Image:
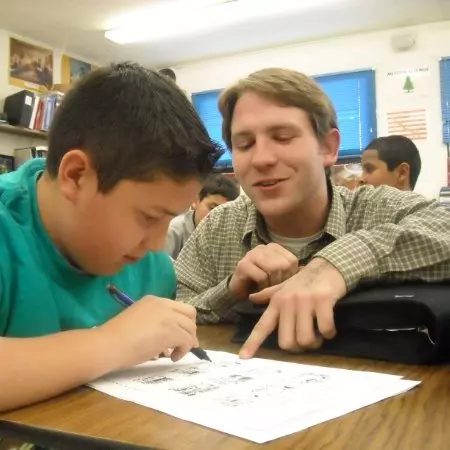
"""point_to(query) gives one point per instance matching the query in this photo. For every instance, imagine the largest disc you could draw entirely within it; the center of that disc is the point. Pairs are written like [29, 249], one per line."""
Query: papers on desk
[257, 399]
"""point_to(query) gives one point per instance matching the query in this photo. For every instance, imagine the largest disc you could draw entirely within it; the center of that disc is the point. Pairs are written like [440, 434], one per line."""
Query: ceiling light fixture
[187, 17]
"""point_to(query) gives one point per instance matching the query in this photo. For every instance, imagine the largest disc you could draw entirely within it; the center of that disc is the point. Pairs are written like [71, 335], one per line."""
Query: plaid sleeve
[198, 282]
[395, 235]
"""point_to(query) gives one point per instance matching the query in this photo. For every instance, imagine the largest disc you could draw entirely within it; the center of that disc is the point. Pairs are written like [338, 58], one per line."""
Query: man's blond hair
[287, 88]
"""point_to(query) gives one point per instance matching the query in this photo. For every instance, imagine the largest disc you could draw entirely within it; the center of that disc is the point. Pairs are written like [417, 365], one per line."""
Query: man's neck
[305, 221]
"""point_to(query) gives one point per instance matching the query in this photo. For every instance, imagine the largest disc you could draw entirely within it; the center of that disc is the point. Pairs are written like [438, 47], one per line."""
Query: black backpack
[403, 323]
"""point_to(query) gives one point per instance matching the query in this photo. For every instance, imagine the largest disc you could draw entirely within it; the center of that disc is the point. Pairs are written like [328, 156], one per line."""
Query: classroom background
[392, 81]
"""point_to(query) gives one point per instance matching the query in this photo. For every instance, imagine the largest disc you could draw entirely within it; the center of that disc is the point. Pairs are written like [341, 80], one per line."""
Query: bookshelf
[20, 131]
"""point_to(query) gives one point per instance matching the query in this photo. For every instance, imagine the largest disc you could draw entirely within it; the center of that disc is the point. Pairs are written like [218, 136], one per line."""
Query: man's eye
[243, 145]
[283, 138]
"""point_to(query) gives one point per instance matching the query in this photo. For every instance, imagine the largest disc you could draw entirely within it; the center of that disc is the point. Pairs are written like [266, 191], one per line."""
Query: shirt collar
[335, 226]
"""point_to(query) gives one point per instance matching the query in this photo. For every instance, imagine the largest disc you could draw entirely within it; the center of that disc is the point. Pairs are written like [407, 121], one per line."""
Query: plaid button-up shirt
[370, 234]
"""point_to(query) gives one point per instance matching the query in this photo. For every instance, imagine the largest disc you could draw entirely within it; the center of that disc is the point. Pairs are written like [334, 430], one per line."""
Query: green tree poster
[409, 85]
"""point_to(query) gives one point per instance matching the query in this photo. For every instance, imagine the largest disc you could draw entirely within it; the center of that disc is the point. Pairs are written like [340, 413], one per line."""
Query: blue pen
[126, 301]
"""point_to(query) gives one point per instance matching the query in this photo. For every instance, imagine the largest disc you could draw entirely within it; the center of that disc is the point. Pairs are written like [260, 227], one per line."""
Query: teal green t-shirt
[40, 291]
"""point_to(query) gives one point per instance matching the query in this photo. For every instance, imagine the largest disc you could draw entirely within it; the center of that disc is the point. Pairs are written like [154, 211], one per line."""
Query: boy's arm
[33, 369]
[37, 368]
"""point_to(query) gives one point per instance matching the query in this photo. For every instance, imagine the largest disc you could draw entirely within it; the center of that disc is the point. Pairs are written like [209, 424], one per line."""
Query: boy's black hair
[134, 124]
[396, 149]
[218, 184]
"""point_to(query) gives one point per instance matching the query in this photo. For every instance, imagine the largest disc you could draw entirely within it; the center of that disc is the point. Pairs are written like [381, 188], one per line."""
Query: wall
[9, 142]
[371, 50]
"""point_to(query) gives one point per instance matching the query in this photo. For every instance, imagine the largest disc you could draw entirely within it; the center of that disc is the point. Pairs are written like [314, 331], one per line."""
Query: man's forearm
[35, 369]
[211, 305]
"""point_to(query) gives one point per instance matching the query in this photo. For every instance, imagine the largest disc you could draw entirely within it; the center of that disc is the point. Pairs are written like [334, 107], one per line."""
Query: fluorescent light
[186, 17]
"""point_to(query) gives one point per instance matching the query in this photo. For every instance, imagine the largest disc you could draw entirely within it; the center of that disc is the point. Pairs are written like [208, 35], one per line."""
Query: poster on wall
[408, 85]
[410, 123]
[30, 66]
[74, 69]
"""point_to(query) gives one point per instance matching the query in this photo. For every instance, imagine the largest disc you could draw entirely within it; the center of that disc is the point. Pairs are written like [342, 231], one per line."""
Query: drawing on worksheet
[230, 382]
[190, 371]
[272, 390]
[194, 388]
[255, 399]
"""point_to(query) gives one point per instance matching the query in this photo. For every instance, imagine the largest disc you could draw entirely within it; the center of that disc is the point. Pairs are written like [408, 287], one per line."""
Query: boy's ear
[195, 204]
[403, 172]
[330, 147]
[74, 172]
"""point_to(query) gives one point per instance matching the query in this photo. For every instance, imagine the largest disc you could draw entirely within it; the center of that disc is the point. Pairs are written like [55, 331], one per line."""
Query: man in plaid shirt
[283, 132]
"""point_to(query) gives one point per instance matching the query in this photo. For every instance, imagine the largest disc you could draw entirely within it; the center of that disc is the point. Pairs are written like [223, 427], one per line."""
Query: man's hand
[294, 305]
[264, 266]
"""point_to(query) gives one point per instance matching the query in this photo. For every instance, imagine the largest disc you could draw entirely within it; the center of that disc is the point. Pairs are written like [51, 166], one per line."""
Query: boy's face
[104, 232]
[277, 157]
[204, 207]
[376, 172]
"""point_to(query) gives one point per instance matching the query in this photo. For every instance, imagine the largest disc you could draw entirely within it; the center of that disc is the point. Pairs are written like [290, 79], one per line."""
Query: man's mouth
[268, 182]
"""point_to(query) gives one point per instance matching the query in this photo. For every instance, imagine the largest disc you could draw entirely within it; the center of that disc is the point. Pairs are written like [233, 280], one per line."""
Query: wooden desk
[416, 420]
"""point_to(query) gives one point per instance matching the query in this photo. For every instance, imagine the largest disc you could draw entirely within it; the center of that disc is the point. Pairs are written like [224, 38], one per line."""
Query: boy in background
[126, 153]
[216, 191]
[391, 160]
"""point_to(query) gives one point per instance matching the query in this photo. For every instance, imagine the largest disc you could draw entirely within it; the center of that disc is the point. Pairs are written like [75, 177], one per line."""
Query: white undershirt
[294, 245]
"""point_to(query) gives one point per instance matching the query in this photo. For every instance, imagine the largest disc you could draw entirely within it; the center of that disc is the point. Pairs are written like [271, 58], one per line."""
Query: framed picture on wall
[30, 66]
[73, 69]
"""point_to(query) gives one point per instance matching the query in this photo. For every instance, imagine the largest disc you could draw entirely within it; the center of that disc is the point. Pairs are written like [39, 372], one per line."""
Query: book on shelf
[31, 110]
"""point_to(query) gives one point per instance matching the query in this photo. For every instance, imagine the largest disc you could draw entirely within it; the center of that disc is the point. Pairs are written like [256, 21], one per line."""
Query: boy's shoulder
[154, 273]
[17, 188]
[183, 222]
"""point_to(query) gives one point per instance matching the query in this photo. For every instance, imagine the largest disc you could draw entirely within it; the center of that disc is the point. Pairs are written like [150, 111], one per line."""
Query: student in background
[283, 135]
[217, 190]
[120, 165]
[391, 160]
[347, 175]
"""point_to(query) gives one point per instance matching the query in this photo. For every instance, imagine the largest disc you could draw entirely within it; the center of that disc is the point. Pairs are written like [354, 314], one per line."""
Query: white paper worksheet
[257, 399]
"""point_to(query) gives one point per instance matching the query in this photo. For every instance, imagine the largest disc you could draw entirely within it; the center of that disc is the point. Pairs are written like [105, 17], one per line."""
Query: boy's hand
[293, 306]
[150, 327]
[264, 266]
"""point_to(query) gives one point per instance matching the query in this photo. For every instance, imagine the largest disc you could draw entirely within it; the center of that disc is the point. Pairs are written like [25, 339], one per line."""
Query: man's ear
[74, 173]
[330, 147]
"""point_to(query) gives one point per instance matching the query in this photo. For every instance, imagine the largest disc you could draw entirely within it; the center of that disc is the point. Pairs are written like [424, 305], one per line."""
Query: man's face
[277, 157]
[205, 206]
[376, 172]
[104, 232]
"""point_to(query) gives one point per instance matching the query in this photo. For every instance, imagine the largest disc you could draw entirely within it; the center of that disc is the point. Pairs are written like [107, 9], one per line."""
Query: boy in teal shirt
[127, 153]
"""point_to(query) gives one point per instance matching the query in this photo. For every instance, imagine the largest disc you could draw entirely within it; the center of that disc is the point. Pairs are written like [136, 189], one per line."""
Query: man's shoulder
[380, 195]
